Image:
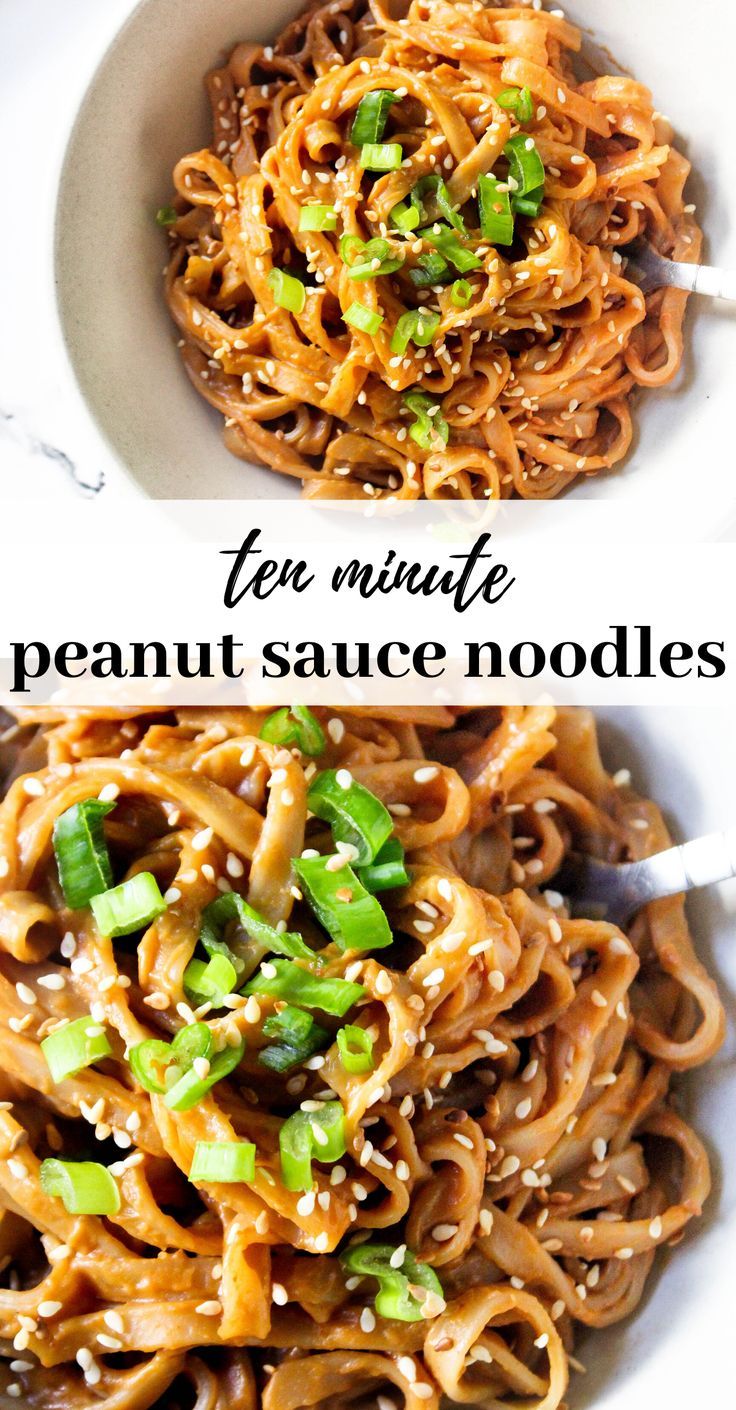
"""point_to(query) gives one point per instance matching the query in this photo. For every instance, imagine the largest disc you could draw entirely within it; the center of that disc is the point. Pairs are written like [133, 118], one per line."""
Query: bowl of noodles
[313, 1090]
[396, 246]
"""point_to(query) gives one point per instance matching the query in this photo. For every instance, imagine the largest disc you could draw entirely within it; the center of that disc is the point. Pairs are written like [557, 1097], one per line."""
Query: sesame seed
[279, 1294]
[48, 1309]
[213, 1308]
[367, 1320]
[442, 1233]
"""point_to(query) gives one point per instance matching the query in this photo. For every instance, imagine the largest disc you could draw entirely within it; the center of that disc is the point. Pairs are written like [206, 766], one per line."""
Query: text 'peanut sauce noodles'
[443, 312]
[504, 1157]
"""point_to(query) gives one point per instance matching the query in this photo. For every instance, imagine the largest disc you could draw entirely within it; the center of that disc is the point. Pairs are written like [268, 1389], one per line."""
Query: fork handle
[706, 279]
[694, 864]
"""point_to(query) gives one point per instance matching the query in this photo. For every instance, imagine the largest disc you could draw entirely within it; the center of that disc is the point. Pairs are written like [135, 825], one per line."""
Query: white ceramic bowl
[146, 107]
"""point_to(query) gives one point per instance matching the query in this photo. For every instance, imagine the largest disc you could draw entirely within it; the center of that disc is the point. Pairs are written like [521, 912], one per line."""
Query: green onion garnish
[299, 1038]
[356, 816]
[394, 1299]
[445, 241]
[81, 852]
[288, 292]
[190, 1088]
[318, 218]
[529, 205]
[298, 986]
[387, 871]
[265, 938]
[430, 427]
[83, 1186]
[78, 1045]
[128, 907]
[496, 215]
[526, 168]
[518, 101]
[223, 1162]
[364, 318]
[350, 915]
[167, 215]
[381, 156]
[433, 183]
[356, 1049]
[210, 981]
[370, 119]
[414, 327]
[307, 1136]
[157, 1065]
[461, 293]
[295, 725]
[404, 217]
[368, 259]
[429, 270]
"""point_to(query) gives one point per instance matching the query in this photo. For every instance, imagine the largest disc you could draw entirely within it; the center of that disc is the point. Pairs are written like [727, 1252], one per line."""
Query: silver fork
[614, 892]
[651, 270]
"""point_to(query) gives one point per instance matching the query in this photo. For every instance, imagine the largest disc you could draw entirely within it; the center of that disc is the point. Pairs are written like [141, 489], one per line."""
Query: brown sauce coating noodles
[518, 1131]
[535, 376]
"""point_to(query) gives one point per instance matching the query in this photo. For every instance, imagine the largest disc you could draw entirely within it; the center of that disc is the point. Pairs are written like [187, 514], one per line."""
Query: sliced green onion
[318, 218]
[430, 427]
[461, 293]
[381, 156]
[299, 1038]
[223, 1162]
[364, 318]
[81, 852]
[368, 259]
[356, 816]
[435, 184]
[268, 940]
[518, 101]
[526, 168]
[370, 119]
[395, 1298]
[190, 1088]
[307, 1136]
[154, 1061]
[529, 205]
[387, 870]
[128, 907]
[167, 215]
[210, 981]
[414, 327]
[298, 986]
[496, 215]
[295, 725]
[83, 1186]
[356, 1049]
[445, 241]
[429, 270]
[350, 915]
[78, 1045]
[404, 217]
[288, 292]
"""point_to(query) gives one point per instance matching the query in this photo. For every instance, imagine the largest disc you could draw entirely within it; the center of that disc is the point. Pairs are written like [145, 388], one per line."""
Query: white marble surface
[48, 51]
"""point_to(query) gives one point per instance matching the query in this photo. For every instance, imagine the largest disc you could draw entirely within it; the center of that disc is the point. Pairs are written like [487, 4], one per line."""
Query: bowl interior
[146, 107]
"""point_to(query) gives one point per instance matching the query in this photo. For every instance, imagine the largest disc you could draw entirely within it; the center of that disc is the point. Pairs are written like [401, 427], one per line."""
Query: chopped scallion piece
[350, 915]
[190, 1088]
[157, 1065]
[81, 852]
[371, 117]
[461, 293]
[78, 1045]
[166, 216]
[210, 981]
[529, 205]
[398, 1287]
[356, 1049]
[299, 1038]
[307, 1136]
[404, 217]
[128, 907]
[318, 218]
[526, 168]
[429, 270]
[368, 259]
[430, 428]
[363, 318]
[265, 938]
[518, 101]
[295, 725]
[288, 292]
[83, 1186]
[223, 1162]
[381, 156]
[496, 215]
[387, 870]
[445, 241]
[356, 816]
[435, 185]
[414, 327]
[298, 986]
